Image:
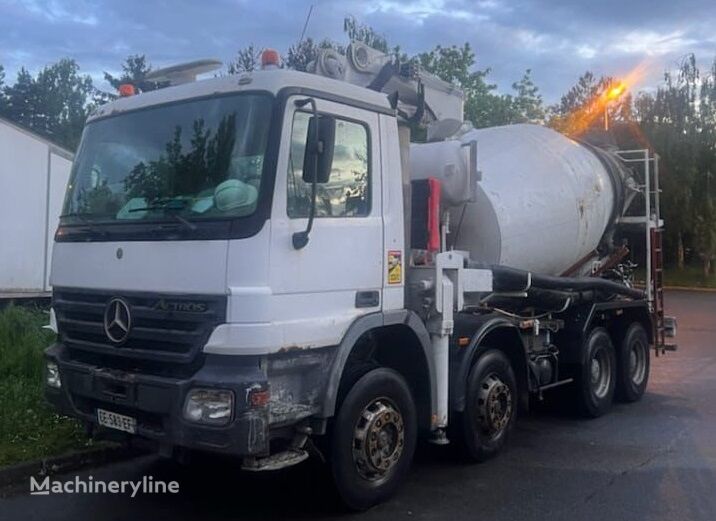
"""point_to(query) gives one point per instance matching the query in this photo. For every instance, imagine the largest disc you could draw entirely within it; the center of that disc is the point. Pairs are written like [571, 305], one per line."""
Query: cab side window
[347, 192]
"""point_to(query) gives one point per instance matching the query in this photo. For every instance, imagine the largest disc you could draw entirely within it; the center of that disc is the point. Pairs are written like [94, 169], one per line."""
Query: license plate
[116, 421]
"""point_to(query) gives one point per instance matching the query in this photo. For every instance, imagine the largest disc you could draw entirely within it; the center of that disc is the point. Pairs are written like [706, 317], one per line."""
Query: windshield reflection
[201, 159]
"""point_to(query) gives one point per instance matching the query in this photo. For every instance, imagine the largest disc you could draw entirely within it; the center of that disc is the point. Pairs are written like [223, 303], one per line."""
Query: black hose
[512, 279]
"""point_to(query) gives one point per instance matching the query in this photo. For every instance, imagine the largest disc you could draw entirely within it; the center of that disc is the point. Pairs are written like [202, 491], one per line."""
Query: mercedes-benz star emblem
[117, 320]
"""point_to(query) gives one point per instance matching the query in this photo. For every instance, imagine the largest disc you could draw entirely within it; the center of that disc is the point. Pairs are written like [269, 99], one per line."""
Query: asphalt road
[653, 460]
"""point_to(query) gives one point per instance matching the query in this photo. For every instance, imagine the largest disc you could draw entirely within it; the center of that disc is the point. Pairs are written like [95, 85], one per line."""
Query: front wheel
[490, 408]
[374, 438]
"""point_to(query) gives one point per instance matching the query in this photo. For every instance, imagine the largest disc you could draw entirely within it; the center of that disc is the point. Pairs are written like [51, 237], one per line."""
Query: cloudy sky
[557, 39]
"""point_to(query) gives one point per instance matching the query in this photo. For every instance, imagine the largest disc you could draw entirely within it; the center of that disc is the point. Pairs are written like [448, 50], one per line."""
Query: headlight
[209, 406]
[52, 375]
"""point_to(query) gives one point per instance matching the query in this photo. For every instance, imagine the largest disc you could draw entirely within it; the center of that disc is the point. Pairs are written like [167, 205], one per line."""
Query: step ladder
[657, 279]
[645, 166]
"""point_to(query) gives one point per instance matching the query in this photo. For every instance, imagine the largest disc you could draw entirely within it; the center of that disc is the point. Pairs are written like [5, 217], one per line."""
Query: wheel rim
[637, 362]
[378, 439]
[600, 370]
[494, 406]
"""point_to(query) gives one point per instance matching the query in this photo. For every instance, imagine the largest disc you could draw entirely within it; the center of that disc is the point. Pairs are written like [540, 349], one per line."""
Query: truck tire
[596, 377]
[374, 439]
[490, 407]
[633, 364]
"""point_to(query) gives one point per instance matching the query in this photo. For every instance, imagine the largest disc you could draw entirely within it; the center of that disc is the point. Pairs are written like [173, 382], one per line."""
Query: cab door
[320, 289]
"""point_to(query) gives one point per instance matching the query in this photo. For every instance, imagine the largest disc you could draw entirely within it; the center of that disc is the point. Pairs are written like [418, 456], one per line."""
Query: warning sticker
[395, 267]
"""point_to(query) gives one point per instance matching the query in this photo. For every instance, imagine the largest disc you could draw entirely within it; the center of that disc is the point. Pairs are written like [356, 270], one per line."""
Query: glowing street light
[611, 95]
[615, 92]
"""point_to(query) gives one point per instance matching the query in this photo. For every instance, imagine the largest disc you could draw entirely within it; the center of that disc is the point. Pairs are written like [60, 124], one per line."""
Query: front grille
[170, 328]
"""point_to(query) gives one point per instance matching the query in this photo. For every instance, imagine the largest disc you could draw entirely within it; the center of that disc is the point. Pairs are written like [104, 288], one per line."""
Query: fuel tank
[543, 202]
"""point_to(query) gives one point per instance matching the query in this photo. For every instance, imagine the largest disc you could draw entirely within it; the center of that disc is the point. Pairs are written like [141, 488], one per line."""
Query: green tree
[3, 102]
[63, 95]
[301, 54]
[134, 71]
[705, 187]
[582, 107]
[247, 60]
[54, 104]
[587, 88]
[21, 101]
[527, 103]
[678, 122]
[484, 106]
[454, 64]
[365, 34]
[704, 221]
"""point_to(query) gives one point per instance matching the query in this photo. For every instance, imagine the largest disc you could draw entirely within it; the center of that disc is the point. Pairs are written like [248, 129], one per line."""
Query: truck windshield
[200, 159]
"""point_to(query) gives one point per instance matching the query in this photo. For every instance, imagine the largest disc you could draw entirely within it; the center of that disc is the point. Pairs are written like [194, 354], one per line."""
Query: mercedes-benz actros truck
[261, 265]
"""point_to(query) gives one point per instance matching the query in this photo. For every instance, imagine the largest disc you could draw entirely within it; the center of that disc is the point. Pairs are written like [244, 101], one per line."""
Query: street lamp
[611, 95]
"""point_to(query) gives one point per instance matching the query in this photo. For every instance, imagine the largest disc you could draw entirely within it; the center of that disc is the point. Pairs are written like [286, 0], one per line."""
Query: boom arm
[416, 90]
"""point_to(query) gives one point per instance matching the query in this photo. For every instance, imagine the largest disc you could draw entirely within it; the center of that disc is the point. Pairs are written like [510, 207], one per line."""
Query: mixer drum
[543, 204]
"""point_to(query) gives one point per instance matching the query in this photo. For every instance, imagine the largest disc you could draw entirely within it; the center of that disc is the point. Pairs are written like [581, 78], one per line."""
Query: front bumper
[156, 401]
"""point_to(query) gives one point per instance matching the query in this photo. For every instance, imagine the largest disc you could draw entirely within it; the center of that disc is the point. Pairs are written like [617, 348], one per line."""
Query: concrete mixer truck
[263, 266]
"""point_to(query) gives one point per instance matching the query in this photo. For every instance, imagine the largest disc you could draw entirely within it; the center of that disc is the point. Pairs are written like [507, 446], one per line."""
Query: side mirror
[318, 158]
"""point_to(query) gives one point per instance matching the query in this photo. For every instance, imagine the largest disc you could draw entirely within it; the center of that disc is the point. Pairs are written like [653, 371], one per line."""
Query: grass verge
[29, 429]
[690, 276]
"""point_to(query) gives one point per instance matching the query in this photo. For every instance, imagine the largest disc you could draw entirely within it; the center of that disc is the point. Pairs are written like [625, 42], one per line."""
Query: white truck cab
[278, 297]
[186, 313]
[241, 266]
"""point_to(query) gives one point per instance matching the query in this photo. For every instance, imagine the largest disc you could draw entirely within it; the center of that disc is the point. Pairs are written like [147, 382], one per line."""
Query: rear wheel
[374, 438]
[633, 364]
[490, 406]
[597, 374]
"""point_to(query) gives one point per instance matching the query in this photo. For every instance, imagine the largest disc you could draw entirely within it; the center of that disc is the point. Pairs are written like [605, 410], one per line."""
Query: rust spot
[288, 349]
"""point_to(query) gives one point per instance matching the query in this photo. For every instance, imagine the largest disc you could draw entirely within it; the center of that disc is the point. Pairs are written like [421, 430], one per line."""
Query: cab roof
[271, 81]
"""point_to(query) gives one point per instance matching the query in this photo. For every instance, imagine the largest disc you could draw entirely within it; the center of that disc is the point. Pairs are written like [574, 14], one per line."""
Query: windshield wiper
[189, 225]
[156, 207]
[82, 216]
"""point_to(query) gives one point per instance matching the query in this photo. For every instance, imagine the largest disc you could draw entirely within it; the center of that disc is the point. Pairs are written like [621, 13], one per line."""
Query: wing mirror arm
[300, 239]
[318, 159]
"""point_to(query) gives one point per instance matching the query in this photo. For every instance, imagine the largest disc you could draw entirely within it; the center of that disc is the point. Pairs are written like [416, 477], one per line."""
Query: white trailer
[33, 178]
